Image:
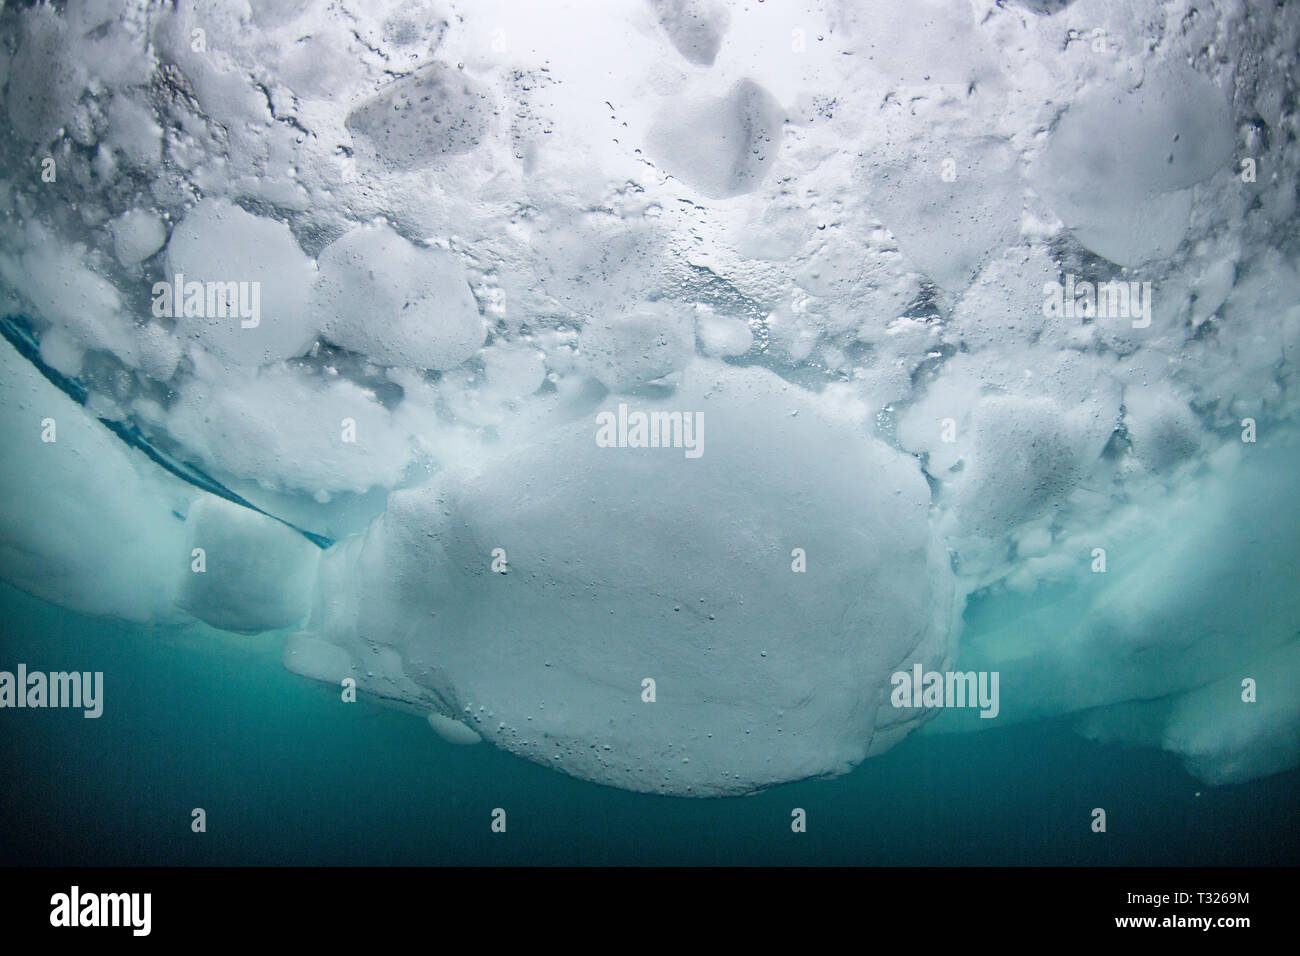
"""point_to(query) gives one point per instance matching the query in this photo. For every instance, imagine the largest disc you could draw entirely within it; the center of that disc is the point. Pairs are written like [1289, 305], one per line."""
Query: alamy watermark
[683, 430]
[1101, 300]
[922, 688]
[208, 300]
[75, 908]
[80, 689]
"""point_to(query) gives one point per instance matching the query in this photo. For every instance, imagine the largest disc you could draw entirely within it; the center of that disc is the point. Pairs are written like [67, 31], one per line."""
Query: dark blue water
[288, 774]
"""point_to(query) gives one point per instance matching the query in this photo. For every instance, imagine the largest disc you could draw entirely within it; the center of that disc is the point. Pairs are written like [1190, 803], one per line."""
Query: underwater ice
[824, 228]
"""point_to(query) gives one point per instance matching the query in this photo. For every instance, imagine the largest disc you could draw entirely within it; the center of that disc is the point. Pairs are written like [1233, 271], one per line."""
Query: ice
[673, 569]
[723, 145]
[43, 84]
[327, 435]
[133, 130]
[84, 523]
[595, 264]
[62, 353]
[696, 27]
[420, 118]
[947, 227]
[1119, 165]
[1005, 299]
[1162, 427]
[217, 242]
[453, 731]
[624, 351]
[827, 227]
[308, 655]
[1221, 735]
[1028, 453]
[721, 336]
[1009, 436]
[514, 373]
[933, 43]
[1226, 739]
[396, 302]
[1195, 590]
[255, 573]
[137, 235]
[61, 286]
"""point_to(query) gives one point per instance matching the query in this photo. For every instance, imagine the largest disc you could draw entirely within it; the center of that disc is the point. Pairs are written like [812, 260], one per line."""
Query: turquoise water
[288, 774]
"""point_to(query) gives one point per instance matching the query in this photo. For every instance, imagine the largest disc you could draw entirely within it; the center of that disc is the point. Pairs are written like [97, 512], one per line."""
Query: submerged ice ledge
[770, 590]
[623, 565]
[407, 278]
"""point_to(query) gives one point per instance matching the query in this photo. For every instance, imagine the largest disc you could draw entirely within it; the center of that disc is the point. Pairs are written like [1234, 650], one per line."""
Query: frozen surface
[830, 228]
[396, 302]
[217, 240]
[137, 235]
[86, 523]
[256, 574]
[672, 569]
